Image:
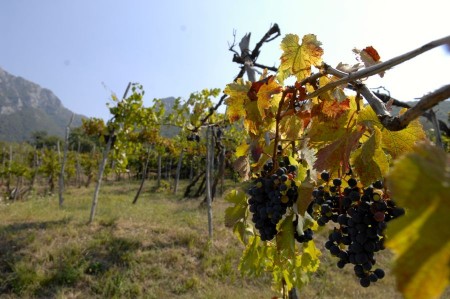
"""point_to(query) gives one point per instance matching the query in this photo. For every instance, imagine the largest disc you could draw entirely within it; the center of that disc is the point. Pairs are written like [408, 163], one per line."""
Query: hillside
[26, 107]
[441, 111]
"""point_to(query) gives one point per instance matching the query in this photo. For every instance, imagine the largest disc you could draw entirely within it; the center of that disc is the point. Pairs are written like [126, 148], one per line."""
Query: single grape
[325, 176]
[379, 273]
[378, 185]
[364, 282]
[337, 182]
[352, 182]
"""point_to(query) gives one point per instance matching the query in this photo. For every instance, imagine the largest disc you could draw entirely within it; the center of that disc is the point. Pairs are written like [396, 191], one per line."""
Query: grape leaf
[395, 143]
[265, 93]
[242, 150]
[285, 237]
[237, 93]
[243, 230]
[291, 126]
[420, 182]
[335, 94]
[324, 130]
[369, 161]
[337, 154]
[298, 59]
[304, 196]
[333, 109]
[253, 260]
[237, 212]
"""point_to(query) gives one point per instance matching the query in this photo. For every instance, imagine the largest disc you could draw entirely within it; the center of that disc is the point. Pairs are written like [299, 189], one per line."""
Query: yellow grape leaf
[291, 126]
[237, 93]
[395, 143]
[336, 155]
[242, 150]
[369, 161]
[420, 182]
[306, 264]
[336, 94]
[325, 130]
[266, 91]
[297, 58]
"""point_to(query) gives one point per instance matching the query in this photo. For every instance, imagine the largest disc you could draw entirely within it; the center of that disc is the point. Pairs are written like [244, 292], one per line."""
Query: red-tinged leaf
[372, 53]
[334, 109]
[337, 154]
[254, 89]
[369, 56]
[265, 94]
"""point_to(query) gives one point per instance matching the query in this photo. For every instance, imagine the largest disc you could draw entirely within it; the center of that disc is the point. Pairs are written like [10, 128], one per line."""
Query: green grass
[157, 248]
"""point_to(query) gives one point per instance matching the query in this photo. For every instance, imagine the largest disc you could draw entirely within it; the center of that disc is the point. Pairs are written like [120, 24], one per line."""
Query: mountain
[25, 107]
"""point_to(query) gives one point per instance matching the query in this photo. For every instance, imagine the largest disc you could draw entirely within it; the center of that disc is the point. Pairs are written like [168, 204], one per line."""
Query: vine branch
[378, 68]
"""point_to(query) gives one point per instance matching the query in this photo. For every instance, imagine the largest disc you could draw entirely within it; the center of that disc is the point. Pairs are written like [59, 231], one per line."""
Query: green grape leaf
[237, 212]
[369, 161]
[337, 153]
[298, 59]
[395, 143]
[252, 259]
[243, 231]
[285, 237]
[420, 182]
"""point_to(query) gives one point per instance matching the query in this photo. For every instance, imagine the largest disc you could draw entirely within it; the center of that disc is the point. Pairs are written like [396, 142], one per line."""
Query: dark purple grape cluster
[305, 237]
[361, 215]
[270, 196]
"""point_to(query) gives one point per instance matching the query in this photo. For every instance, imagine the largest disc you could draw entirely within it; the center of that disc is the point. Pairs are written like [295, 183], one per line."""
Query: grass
[157, 248]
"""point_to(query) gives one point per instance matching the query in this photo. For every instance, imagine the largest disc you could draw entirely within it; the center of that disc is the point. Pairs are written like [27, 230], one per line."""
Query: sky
[84, 50]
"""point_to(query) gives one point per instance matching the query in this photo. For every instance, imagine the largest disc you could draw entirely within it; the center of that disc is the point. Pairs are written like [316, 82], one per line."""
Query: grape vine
[317, 154]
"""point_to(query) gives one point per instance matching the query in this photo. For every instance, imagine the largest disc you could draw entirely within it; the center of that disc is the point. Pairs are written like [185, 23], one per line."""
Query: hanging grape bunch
[270, 196]
[362, 214]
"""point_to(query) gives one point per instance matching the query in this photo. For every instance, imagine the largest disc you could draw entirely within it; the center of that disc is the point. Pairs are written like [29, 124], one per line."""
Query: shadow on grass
[24, 273]
[14, 240]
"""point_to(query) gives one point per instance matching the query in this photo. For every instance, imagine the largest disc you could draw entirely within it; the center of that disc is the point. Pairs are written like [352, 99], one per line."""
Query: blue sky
[85, 49]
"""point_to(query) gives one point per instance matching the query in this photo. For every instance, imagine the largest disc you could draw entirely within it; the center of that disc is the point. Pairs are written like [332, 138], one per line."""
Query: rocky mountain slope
[25, 107]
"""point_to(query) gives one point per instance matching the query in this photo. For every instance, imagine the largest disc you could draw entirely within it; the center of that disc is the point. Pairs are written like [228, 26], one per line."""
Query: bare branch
[397, 123]
[427, 102]
[378, 68]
